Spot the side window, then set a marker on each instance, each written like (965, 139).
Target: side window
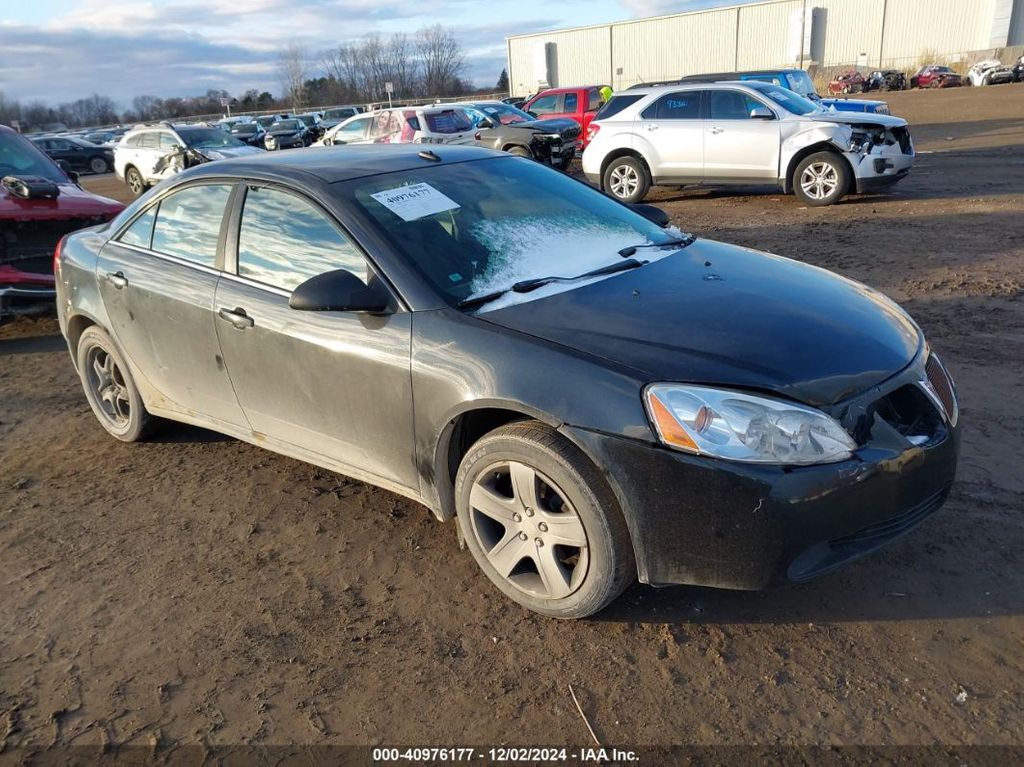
(284, 240)
(132, 140)
(149, 140)
(60, 145)
(188, 223)
(140, 233)
(732, 105)
(595, 100)
(571, 103)
(546, 105)
(354, 131)
(684, 105)
(167, 141)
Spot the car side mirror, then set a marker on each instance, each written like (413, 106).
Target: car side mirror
(339, 291)
(761, 113)
(651, 213)
(486, 122)
(64, 166)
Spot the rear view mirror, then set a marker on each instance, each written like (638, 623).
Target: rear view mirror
(761, 113)
(66, 167)
(652, 214)
(339, 291)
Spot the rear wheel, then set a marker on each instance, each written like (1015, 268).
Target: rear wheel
(821, 179)
(133, 179)
(98, 165)
(627, 179)
(109, 387)
(541, 523)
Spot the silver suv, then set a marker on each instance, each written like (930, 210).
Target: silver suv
(741, 133)
(147, 155)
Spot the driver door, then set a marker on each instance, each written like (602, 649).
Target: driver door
(737, 147)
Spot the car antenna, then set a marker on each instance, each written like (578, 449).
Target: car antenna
(426, 154)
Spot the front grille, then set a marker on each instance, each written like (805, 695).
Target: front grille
(35, 240)
(902, 135)
(942, 386)
(910, 412)
(827, 555)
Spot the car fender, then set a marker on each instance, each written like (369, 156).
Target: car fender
(806, 135)
(78, 294)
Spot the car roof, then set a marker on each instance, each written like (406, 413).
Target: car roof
(332, 164)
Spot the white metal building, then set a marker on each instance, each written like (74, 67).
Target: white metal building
(779, 33)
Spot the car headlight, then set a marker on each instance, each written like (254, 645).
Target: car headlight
(744, 427)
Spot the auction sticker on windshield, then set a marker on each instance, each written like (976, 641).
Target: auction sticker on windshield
(414, 201)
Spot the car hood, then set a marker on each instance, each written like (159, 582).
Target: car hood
(73, 202)
(857, 118)
(718, 314)
(560, 126)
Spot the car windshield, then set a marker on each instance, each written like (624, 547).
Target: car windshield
(340, 113)
(507, 114)
(207, 138)
(787, 99)
(801, 82)
(473, 228)
(284, 125)
(245, 129)
(18, 157)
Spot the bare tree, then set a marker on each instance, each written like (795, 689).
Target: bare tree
(441, 58)
(293, 69)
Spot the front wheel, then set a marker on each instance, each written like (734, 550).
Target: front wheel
(627, 179)
(821, 179)
(109, 387)
(133, 179)
(520, 151)
(541, 523)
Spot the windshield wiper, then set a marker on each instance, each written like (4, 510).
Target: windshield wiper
(680, 242)
(525, 286)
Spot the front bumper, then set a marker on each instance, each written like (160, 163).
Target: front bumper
(702, 521)
(883, 166)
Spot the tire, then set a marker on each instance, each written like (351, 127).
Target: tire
(109, 387)
(520, 151)
(626, 179)
(567, 500)
(136, 184)
(821, 179)
(98, 165)
(986, 80)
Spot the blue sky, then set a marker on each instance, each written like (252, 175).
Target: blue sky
(59, 50)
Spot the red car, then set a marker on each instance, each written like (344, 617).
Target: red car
(40, 202)
(578, 103)
(935, 76)
(847, 82)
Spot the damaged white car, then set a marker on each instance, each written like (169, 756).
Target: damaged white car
(748, 133)
(990, 72)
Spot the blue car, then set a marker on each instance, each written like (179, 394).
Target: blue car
(798, 81)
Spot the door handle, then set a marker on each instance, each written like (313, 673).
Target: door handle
(651, 127)
(716, 130)
(237, 317)
(117, 279)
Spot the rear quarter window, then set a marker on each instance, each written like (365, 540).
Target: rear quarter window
(616, 105)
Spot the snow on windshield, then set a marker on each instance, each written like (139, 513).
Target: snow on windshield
(551, 246)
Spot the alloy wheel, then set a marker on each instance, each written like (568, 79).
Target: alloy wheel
(109, 387)
(528, 531)
(624, 181)
(134, 179)
(819, 180)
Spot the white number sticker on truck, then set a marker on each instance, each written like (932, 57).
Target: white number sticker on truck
(414, 201)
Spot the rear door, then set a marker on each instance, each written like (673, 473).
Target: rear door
(332, 384)
(672, 128)
(738, 148)
(158, 280)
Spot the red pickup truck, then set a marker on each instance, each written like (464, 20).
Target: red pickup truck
(579, 103)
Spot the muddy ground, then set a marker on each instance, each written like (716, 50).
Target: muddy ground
(194, 589)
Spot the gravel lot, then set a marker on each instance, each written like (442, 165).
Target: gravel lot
(194, 589)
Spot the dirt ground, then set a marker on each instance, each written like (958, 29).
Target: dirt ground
(194, 589)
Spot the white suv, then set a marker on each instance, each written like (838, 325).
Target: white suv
(145, 156)
(741, 133)
(404, 125)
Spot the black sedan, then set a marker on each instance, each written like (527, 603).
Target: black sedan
(595, 396)
(252, 133)
(79, 154)
(287, 134)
